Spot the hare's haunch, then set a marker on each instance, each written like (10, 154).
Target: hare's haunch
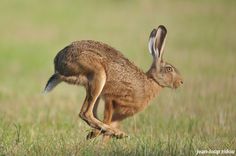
(106, 74)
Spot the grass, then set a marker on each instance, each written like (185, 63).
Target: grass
(201, 44)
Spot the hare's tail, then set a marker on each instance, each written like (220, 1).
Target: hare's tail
(53, 81)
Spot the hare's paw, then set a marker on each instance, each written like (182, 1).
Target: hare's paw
(118, 134)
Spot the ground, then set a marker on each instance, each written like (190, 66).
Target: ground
(200, 43)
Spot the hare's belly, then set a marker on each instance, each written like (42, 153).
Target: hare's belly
(125, 99)
(124, 93)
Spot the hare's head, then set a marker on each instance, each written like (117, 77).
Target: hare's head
(165, 74)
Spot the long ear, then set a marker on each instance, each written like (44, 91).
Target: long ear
(157, 42)
(151, 43)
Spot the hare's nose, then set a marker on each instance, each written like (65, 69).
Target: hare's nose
(181, 81)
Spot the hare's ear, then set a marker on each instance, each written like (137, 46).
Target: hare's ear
(151, 43)
(157, 42)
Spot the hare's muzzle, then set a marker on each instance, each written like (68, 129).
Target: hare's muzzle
(178, 83)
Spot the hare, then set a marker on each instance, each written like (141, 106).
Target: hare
(106, 74)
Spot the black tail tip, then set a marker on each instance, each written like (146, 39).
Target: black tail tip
(52, 82)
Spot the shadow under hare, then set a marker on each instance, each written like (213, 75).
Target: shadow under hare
(106, 74)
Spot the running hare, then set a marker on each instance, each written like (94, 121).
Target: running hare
(106, 73)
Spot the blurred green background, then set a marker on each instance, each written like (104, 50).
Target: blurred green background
(200, 43)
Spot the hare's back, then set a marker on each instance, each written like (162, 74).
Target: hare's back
(101, 49)
(113, 60)
(118, 68)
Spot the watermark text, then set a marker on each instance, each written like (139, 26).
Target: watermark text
(215, 152)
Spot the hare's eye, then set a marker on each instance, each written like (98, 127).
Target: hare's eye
(169, 69)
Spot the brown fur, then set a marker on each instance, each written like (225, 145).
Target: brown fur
(107, 74)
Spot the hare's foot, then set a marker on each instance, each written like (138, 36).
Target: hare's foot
(108, 133)
(116, 133)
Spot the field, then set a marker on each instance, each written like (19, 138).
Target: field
(201, 43)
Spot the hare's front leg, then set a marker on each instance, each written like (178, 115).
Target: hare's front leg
(108, 112)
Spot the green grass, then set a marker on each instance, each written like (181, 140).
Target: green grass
(201, 44)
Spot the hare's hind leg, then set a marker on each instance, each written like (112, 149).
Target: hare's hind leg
(95, 114)
(93, 90)
(95, 86)
(108, 111)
